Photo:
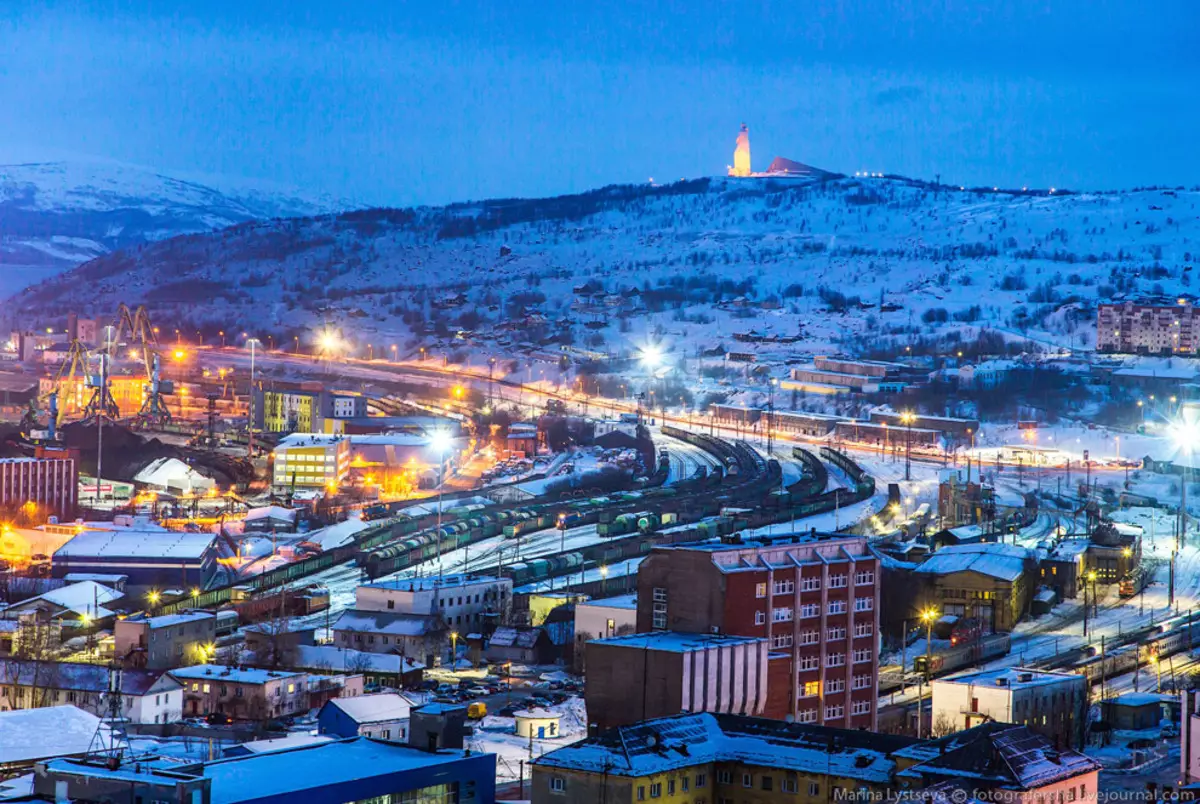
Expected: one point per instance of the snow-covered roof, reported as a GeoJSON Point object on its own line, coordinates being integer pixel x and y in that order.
{"type": "Point", "coordinates": [129, 543]}
{"type": "Point", "coordinates": [1003, 561]}
{"type": "Point", "coordinates": [1012, 678]}
{"type": "Point", "coordinates": [676, 641]}
{"type": "Point", "coordinates": [271, 512]}
{"type": "Point", "coordinates": [669, 743]}
{"type": "Point", "coordinates": [536, 713]}
{"type": "Point", "coordinates": [172, 473]}
{"type": "Point", "coordinates": [74, 676]}
{"type": "Point", "coordinates": [392, 624]}
{"type": "Point", "coordinates": [234, 675]}
{"type": "Point", "coordinates": [1140, 699]}
{"type": "Point", "coordinates": [376, 708]}
{"type": "Point", "coordinates": [508, 637]}
{"type": "Point", "coordinates": [337, 534]}
{"type": "Point", "coordinates": [389, 440]}
{"type": "Point", "coordinates": [455, 581]}
{"type": "Point", "coordinates": [27, 735]}
{"type": "Point", "coordinates": [616, 602]}
{"type": "Point", "coordinates": [342, 660]}
{"type": "Point", "coordinates": [309, 440]}
{"type": "Point", "coordinates": [337, 764]}
{"type": "Point", "coordinates": [168, 620]}
{"type": "Point", "coordinates": [295, 740]}
{"type": "Point", "coordinates": [98, 577]}
{"type": "Point", "coordinates": [85, 597]}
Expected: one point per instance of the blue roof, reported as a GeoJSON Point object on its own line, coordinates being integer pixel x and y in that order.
{"type": "Point", "coordinates": [676, 641]}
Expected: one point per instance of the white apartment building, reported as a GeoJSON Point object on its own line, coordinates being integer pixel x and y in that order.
{"type": "Point", "coordinates": [146, 696]}
{"type": "Point", "coordinates": [311, 461]}
{"type": "Point", "coordinates": [1050, 703]}
{"type": "Point", "coordinates": [462, 601]}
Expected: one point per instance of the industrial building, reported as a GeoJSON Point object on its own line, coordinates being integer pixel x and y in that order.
{"type": "Point", "coordinates": [1053, 704]}
{"type": "Point", "coordinates": [991, 582]}
{"type": "Point", "coordinates": [642, 676]}
{"type": "Point", "coordinates": [305, 408]}
{"type": "Point", "coordinates": [813, 598]}
{"type": "Point", "coordinates": [151, 556]}
{"type": "Point", "coordinates": [50, 485]}
{"type": "Point", "coordinates": [310, 461]}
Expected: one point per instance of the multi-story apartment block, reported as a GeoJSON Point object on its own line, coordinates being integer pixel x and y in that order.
{"type": "Point", "coordinates": [171, 640]}
{"type": "Point", "coordinates": [307, 408]}
{"type": "Point", "coordinates": [146, 696]}
{"type": "Point", "coordinates": [48, 485]}
{"type": "Point", "coordinates": [247, 693]}
{"type": "Point", "coordinates": [462, 601]}
{"type": "Point", "coordinates": [813, 598]}
{"type": "Point", "coordinates": [1148, 328]}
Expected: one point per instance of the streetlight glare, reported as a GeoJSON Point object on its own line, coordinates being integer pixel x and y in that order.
{"type": "Point", "coordinates": [440, 441]}
{"type": "Point", "coordinates": [651, 357]}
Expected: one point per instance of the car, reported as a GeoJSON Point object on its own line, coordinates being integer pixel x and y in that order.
{"type": "Point", "coordinates": [444, 699]}
{"type": "Point", "coordinates": [557, 698]}
{"type": "Point", "coordinates": [478, 691]}
{"type": "Point", "coordinates": [218, 719]}
{"type": "Point", "coordinates": [506, 711]}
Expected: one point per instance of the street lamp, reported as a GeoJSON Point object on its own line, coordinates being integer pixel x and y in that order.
{"type": "Point", "coordinates": [252, 343]}
{"type": "Point", "coordinates": [440, 441]}
{"type": "Point", "coordinates": [1090, 576]}
{"type": "Point", "coordinates": [453, 649]}
{"type": "Point", "coordinates": [153, 596]}
{"type": "Point", "coordinates": [928, 616]}
{"type": "Point", "coordinates": [603, 580]}
{"type": "Point", "coordinates": [907, 418]}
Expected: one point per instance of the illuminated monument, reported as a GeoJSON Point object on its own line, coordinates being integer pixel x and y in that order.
{"type": "Point", "coordinates": [741, 154]}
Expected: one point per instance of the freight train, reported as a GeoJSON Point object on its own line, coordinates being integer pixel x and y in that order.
{"type": "Point", "coordinates": [284, 602]}
{"type": "Point", "coordinates": [950, 659]}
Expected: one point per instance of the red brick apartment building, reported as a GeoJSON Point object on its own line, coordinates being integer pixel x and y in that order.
{"type": "Point", "coordinates": [814, 598]}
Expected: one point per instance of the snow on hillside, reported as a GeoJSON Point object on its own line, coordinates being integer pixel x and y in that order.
{"type": "Point", "coordinates": [860, 265]}
{"type": "Point", "coordinates": [56, 215]}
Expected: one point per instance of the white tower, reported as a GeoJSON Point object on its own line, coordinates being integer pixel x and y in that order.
{"type": "Point", "coordinates": [741, 154]}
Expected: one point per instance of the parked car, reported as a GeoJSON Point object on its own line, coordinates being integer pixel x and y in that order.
{"type": "Point", "coordinates": [218, 719]}
{"type": "Point", "coordinates": [506, 711]}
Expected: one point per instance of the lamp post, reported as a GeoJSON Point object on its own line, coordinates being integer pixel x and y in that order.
{"type": "Point", "coordinates": [253, 343]}
{"type": "Point", "coordinates": [440, 441]}
{"type": "Point", "coordinates": [770, 414]}
{"type": "Point", "coordinates": [907, 418]}
{"type": "Point", "coordinates": [453, 649]}
{"type": "Point", "coordinates": [928, 616]}
{"type": "Point", "coordinates": [1090, 576]}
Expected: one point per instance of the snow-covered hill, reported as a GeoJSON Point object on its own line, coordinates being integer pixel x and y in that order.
{"type": "Point", "coordinates": [56, 215]}
{"type": "Point", "coordinates": [887, 263]}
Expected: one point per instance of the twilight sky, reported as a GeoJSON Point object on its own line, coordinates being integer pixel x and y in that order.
{"type": "Point", "coordinates": [399, 102]}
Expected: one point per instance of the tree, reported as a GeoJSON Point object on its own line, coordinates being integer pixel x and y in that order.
{"type": "Point", "coordinates": [942, 726]}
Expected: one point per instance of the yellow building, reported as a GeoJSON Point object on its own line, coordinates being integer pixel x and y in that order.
{"type": "Point", "coordinates": [311, 461]}
{"type": "Point", "coordinates": [705, 758]}
{"type": "Point", "coordinates": [541, 605]}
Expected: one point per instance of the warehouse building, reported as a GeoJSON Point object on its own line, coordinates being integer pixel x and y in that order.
{"type": "Point", "coordinates": [151, 556]}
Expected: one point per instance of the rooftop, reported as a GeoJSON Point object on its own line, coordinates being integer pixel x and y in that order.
{"type": "Point", "coordinates": [342, 660]}
{"type": "Point", "coordinates": [381, 622]}
{"type": "Point", "coordinates": [130, 543]}
{"type": "Point", "coordinates": [309, 440]}
{"type": "Point", "coordinates": [271, 512]}
{"type": "Point", "coordinates": [680, 741]}
{"type": "Point", "coordinates": [1004, 756]}
{"type": "Point", "coordinates": [1003, 561]}
{"type": "Point", "coordinates": [377, 708]}
{"type": "Point", "coordinates": [676, 642]}
{"type": "Point", "coordinates": [431, 582]}
{"type": "Point", "coordinates": [27, 735]}
{"type": "Point", "coordinates": [616, 602]}
{"type": "Point", "coordinates": [238, 675]}
{"type": "Point", "coordinates": [85, 597]}
{"type": "Point", "coordinates": [73, 676]}
{"type": "Point", "coordinates": [1012, 677]}
{"type": "Point", "coordinates": [168, 620]}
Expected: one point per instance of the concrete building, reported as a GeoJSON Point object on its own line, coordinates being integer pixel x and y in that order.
{"type": "Point", "coordinates": [253, 694]}
{"type": "Point", "coordinates": [1189, 736]}
{"type": "Point", "coordinates": [358, 769]}
{"type": "Point", "coordinates": [50, 484]}
{"type": "Point", "coordinates": [985, 375]}
{"type": "Point", "coordinates": [152, 556]}
{"type": "Point", "coordinates": [719, 758]}
{"type": "Point", "coordinates": [1049, 703]}
{"type": "Point", "coordinates": [602, 618]}
{"type": "Point", "coordinates": [644, 676]}
{"type": "Point", "coordinates": [310, 461]}
{"type": "Point", "coordinates": [419, 636]}
{"type": "Point", "coordinates": [171, 640]}
{"type": "Point", "coordinates": [377, 669]}
{"type": "Point", "coordinates": [520, 645]}
{"type": "Point", "coordinates": [1147, 328]}
{"type": "Point", "coordinates": [384, 715]}
{"type": "Point", "coordinates": [813, 598]}
{"type": "Point", "coordinates": [886, 435]}
{"type": "Point", "coordinates": [952, 428]}
{"type": "Point", "coordinates": [146, 696]}
{"type": "Point", "coordinates": [990, 582]}
{"type": "Point", "coordinates": [307, 408]}
{"type": "Point", "coordinates": [463, 602]}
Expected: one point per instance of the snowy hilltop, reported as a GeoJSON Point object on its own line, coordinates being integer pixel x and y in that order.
{"type": "Point", "coordinates": [56, 215]}
{"type": "Point", "coordinates": [862, 264]}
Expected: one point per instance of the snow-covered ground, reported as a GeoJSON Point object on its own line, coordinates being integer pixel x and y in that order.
{"type": "Point", "coordinates": [497, 735]}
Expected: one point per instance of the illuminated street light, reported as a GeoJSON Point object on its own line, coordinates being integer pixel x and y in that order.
{"type": "Point", "coordinates": [928, 616]}
{"type": "Point", "coordinates": [651, 357]}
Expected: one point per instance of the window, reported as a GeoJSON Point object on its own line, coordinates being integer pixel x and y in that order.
{"type": "Point", "coordinates": [864, 578]}
{"type": "Point", "coordinates": [781, 640]}
{"type": "Point", "coordinates": [808, 715]}
{"type": "Point", "coordinates": [837, 581]}
{"type": "Point", "coordinates": [391, 604]}
{"type": "Point", "coordinates": [814, 789]}
{"type": "Point", "coordinates": [683, 783]}
{"type": "Point", "coordinates": [862, 629]}
{"type": "Point", "coordinates": [812, 688]}
{"type": "Point", "coordinates": [558, 784]}
{"type": "Point", "coordinates": [810, 610]}
{"type": "Point", "coordinates": [834, 712]}
{"type": "Point", "coordinates": [701, 780]}
{"type": "Point", "coordinates": [835, 660]}
{"type": "Point", "coordinates": [862, 655]}
{"type": "Point", "coordinates": [291, 688]}
{"type": "Point", "coordinates": [656, 790]}
{"type": "Point", "coordinates": [862, 682]}
{"type": "Point", "coordinates": [724, 777]}
{"type": "Point", "coordinates": [810, 662]}
{"type": "Point", "coordinates": [864, 603]}
{"type": "Point", "coordinates": [861, 708]}
{"type": "Point", "coordinates": [810, 584]}
{"type": "Point", "coordinates": [760, 617]}
{"type": "Point", "coordinates": [837, 607]}
{"type": "Point", "coordinates": [670, 787]}
{"type": "Point", "coordinates": [787, 587]}
{"type": "Point", "coordinates": [760, 590]}
{"type": "Point", "coordinates": [810, 637]}
{"type": "Point", "coordinates": [783, 614]}
{"type": "Point", "coordinates": [835, 685]}
{"type": "Point", "coordinates": [660, 594]}
{"type": "Point", "coordinates": [747, 780]}
{"type": "Point", "coordinates": [660, 621]}
{"type": "Point", "coordinates": [836, 634]}
{"type": "Point", "coordinates": [205, 689]}
{"type": "Point", "coordinates": [789, 786]}
{"type": "Point", "coordinates": [641, 792]}
{"type": "Point", "coordinates": [768, 782]}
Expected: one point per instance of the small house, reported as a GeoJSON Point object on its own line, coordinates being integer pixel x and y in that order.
{"type": "Point", "coordinates": [537, 723]}
{"type": "Point", "coordinates": [383, 716]}
{"type": "Point", "coordinates": [520, 645]}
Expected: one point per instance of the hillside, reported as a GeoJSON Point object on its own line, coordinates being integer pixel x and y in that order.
{"type": "Point", "coordinates": [895, 263]}
{"type": "Point", "coordinates": [56, 215]}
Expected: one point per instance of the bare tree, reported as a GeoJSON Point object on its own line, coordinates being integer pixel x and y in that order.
{"type": "Point", "coordinates": [942, 726]}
